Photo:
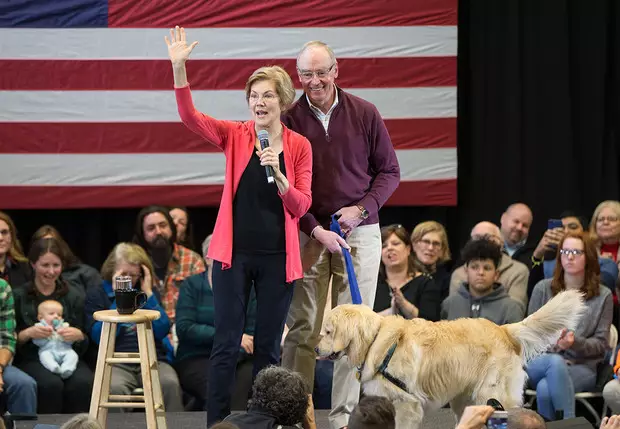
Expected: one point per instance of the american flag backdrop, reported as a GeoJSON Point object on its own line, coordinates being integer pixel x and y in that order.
{"type": "Point", "coordinates": [88, 116]}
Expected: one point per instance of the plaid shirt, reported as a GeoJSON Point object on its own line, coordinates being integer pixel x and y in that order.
{"type": "Point", "coordinates": [184, 263]}
{"type": "Point", "coordinates": [7, 317]}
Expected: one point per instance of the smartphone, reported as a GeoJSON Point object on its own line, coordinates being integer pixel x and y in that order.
{"type": "Point", "coordinates": [498, 420]}
{"type": "Point", "coordinates": [554, 223]}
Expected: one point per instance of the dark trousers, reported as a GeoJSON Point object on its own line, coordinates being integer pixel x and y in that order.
{"type": "Point", "coordinates": [194, 372]}
{"type": "Point", "coordinates": [58, 396]}
{"type": "Point", "coordinates": [231, 291]}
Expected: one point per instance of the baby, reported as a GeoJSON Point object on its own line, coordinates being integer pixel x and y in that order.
{"type": "Point", "coordinates": [55, 353]}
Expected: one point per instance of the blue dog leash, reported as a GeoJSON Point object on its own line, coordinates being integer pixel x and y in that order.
{"type": "Point", "coordinates": [356, 297]}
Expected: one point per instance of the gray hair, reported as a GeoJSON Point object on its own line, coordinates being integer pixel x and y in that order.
{"type": "Point", "coordinates": [317, 44]}
{"type": "Point", "coordinates": [281, 393]}
{"type": "Point", "coordinates": [82, 421]}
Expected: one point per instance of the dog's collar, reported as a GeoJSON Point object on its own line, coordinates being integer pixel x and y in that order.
{"type": "Point", "coordinates": [383, 369]}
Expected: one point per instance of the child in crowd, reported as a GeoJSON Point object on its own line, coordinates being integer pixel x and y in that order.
{"type": "Point", "coordinates": [55, 354]}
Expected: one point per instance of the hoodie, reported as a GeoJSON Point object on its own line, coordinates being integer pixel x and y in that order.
{"type": "Point", "coordinates": [498, 306]}
{"type": "Point", "coordinates": [513, 275]}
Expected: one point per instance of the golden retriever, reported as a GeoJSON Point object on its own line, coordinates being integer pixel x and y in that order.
{"type": "Point", "coordinates": [462, 362]}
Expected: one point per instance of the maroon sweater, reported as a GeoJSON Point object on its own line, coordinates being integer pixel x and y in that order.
{"type": "Point", "coordinates": [353, 163]}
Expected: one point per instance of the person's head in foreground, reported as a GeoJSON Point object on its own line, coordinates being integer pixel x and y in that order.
{"type": "Point", "coordinates": [280, 393]}
{"type": "Point", "coordinates": [82, 421]}
{"type": "Point", "coordinates": [373, 412]}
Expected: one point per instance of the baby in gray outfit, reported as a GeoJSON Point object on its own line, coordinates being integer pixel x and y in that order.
{"type": "Point", "coordinates": [55, 354]}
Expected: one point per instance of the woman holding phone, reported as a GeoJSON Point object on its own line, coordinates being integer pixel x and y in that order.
{"type": "Point", "coordinates": [256, 237]}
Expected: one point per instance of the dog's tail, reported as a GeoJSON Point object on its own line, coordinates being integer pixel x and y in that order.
{"type": "Point", "coordinates": [543, 328]}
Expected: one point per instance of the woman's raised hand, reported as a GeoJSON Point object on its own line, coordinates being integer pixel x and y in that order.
{"type": "Point", "coordinates": [178, 50]}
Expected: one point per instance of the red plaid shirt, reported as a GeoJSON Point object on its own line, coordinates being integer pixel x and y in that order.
{"type": "Point", "coordinates": [184, 263]}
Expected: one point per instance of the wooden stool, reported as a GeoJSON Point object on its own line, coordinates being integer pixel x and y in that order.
{"type": "Point", "coordinates": [152, 400]}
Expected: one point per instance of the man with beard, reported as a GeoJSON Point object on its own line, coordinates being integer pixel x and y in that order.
{"type": "Point", "coordinates": [156, 234]}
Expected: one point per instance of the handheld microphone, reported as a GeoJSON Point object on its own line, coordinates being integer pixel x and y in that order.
{"type": "Point", "coordinates": [263, 138]}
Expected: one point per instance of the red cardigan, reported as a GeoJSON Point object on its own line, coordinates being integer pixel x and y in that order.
{"type": "Point", "coordinates": [237, 140]}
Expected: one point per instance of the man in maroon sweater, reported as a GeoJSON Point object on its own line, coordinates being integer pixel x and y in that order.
{"type": "Point", "coordinates": [355, 171]}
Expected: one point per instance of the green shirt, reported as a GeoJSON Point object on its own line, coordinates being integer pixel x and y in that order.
{"type": "Point", "coordinates": [7, 317]}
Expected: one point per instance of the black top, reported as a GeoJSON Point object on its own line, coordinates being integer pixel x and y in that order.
{"type": "Point", "coordinates": [258, 212]}
{"type": "Point", "coordinates": [27, 299]}
{"type": "Point", "coordinates": [16, 273]}
{"type": "Point", "coordinates": [421, 292]}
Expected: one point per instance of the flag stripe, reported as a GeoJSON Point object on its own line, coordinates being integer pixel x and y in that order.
{"type": "Point", "coordinates": [174, 168]}
{"type": "Point", "coordinates": [213, 74]}
{"type": "Point", "coordinates": [291, 13]}
{"type": "Point", "coordinates": [227, 43]}
{"type": "Point", "coordinates": [421, 193]}
{"type": "Point", "coordinates": [174, 137]}
{"type": "Point", "coordinates": [157, 106]}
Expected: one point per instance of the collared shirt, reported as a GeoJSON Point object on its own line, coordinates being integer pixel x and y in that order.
{"type": "Point", "coordinates": [512, 249]}
{"type": "Point", "coordinates": [7, 317]}
{"type": "Point", "coordinates": [183, 263]}
{"type": "Point", "coordinates": [323, 117]}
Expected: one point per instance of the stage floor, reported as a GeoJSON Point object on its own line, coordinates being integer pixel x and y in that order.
{"type": "Point", "coordinates": [442, 419]}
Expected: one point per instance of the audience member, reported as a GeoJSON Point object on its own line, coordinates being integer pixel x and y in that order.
{"type": "Point", "coordinates": [55, 353]}
{"type": "Point", "coordinates": [14, 267]}
{"type": "Point", "coordinates": [173, 263]}
{"type": "Point", "coordinates": [543, 268]}
{"type": "Point", "coordinates": [513, 275]}
{"type": "Point", "coordinates": [128, 259]}
{"type": "Point", "coordinates": [74, 271]}
{"type": "Point", "coordinates": [605, 229]}
{"type": "Point", "coordinates": [55, 394]}
{"type": "Point", "coordinates": [352, 179]}
{"type": "Point", "coordinates": [612, 422]}
{"type": "Point", "coordinates": [82, 421]}
{"type": "Point", "coordinates": [571, 365]}
{"type": "Point", "coordinates": [20, 389]}
{"type": "Point", "coordinates": [477, 416]}
{"type": "Point", "coordinates": [402, 289]}
{"type": "Point", "coordinates": [481, 295]}
{"type": "Point", "coordinates": [515, 226]}
{"type": "Point", "coordinates": [431, 254]}
{"type": "Point", "coordinates": [373, 412]}
{"type": "Point", "coordinates": [196, 329]}
{"type": "Point", "coordinates": [278, 398]}
{"type": "Point", "coordinates": [180, 217]}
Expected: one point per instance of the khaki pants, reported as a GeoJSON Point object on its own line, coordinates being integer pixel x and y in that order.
{"type": "Point", "coordinates": [307, 309]}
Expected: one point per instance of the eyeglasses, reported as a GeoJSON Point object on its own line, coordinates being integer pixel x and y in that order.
{"type": "Point", "coordinates": [574, 252]}
{"type": "Point", "coordinates": [429, 243]}
{"type": "Point", "coordinates": [268, 97]}
{"type": "Point", "coordinates": [321, 74]}
{"type": "Point", "coordinates": [610, 219]}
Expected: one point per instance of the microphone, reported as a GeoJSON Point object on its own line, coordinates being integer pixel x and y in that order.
{"type": "Point", "coordinates": [263, 138]}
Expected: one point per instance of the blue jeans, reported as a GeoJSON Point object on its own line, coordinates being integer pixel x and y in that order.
{"type": "Point", "coordinates": [21, 391]}
{"type": "Point", "coordinates": [556, 383]}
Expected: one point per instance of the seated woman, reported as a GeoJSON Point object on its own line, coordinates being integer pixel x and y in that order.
{"type": "Point", "coordinates": [401, 289]}
{"type": "Point", "coordinates": [431, 254]}
{"type": "Point", "coordinates": [55, 394]}
{"type": "Point", "coordinates": [14, 267]}
{"type": "Point", "coordinates": [571, 365]}
{"type": "Point", "coordinates": [195, 330]}
{"type": "Point", "coordinates": [127, 259]}
{"type": "Point", "coordinates": [73, 270]}
{"type": "Point", "coordinates": [185, 236]}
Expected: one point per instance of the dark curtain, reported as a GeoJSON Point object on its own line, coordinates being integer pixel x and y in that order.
{"type": "Point", "coordinates": [539, 114]}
